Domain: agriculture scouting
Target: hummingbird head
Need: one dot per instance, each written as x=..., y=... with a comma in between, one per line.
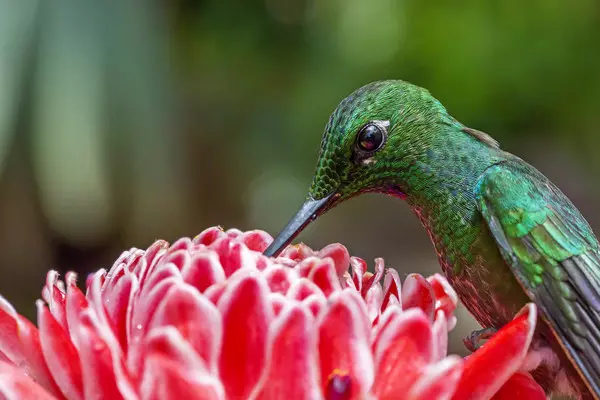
x=372, y=143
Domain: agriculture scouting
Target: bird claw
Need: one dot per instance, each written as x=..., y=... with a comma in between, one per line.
x=472, y=342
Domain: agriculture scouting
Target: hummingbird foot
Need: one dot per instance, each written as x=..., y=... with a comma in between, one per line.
x=473, y=341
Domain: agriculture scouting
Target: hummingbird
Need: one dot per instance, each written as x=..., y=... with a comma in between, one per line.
x=504, y=234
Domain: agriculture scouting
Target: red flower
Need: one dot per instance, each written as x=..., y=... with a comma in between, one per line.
x=212, y=318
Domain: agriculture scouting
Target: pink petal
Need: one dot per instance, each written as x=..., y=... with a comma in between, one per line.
x=315, y=303
x=339, y=255
x=60, y=354
x=324, y=276
x=196, y=319
x=359, y=267
x=16, y=385
x=246, y=318
x=55, y=298
x=403, y=349
x=304, y=267
x=446, y=297
x=278, y=278
x=233, y=255
x=373, y=299
x=172, y=370
x=20, y=343
x=391, y=287
x=440, y=336
x=417, y=292
x=76, y=303
x=491, y=365
x=256, y=240
x=373, y=279
x=302, y=288
x=438, y=381
x=104, y=373
x=117, y=303
x=203, y=271
x=292, y=371
x=209, y=235
x=141, y=315
x=344, y=344
x=297, y=252
x=184, y=244
x=520, y=386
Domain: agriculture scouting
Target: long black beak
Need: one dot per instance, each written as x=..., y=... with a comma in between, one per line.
x=309, y=211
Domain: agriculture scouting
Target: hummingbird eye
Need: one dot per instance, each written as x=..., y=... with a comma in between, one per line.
x=370, y=137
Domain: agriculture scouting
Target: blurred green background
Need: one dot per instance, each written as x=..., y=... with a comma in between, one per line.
x=126, y=121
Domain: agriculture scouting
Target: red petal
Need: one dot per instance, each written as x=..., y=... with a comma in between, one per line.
x=196, y=319
x=403, y=349
x=344, y=343
x=339, y=255
x=438, y=381
x=520, y=386
x=417, y=292
x=203, y=271
x=20, y=343
x=445, y=296
x=233, y=256
x=172, y=370
x=55, y=298
x=491, y=365
x=315, y=303
x=117, y=304
x=440, y=336
x=303, y=288
x=292, y=371
x=278, y=279
x=371, y=280
x=256, y=240
x=324, y=276
x=209, y=235
x=391, y=287
x=142, y=313
x=246, y=318
x=60, y=354
x=359, y=266
x=16, y=385
x=104, y=373
x=184, y=243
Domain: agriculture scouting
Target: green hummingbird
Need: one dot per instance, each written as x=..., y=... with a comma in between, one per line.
x=504, y=234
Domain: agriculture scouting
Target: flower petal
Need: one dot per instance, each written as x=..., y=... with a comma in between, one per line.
x=403, y=349
x=196, y=319
x=16, y=385
x=344, y=343
x=246, y=318
x=233, y=255
x=20, y=343
x=292, y=371
x=417, y=292
x=323, y=274
x=520, y=386
x=173, y=370
x=60, y=354
x=391, y=287
x=446, y=298
x=438, y=381
x=278, y=278
x=440, y=336
x=203, y=270
x=340, y=256
x=491, y=365
x=256, y=240
x=104, y=373
x=55, y=298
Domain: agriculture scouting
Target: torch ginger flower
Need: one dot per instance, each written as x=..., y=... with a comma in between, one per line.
x=212, y=318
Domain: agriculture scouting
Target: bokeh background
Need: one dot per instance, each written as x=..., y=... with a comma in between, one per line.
x=126, y=121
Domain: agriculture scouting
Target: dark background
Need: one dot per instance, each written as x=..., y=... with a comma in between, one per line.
x=126, y=121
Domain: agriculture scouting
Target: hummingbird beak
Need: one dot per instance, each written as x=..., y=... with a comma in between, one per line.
x=309, y=211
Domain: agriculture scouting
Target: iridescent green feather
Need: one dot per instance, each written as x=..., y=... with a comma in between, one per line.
x=552, y=251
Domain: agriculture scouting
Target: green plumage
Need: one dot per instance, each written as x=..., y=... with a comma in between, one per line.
x=503, y=233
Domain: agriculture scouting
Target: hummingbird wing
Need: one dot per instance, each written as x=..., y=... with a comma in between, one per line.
x=552, y=251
